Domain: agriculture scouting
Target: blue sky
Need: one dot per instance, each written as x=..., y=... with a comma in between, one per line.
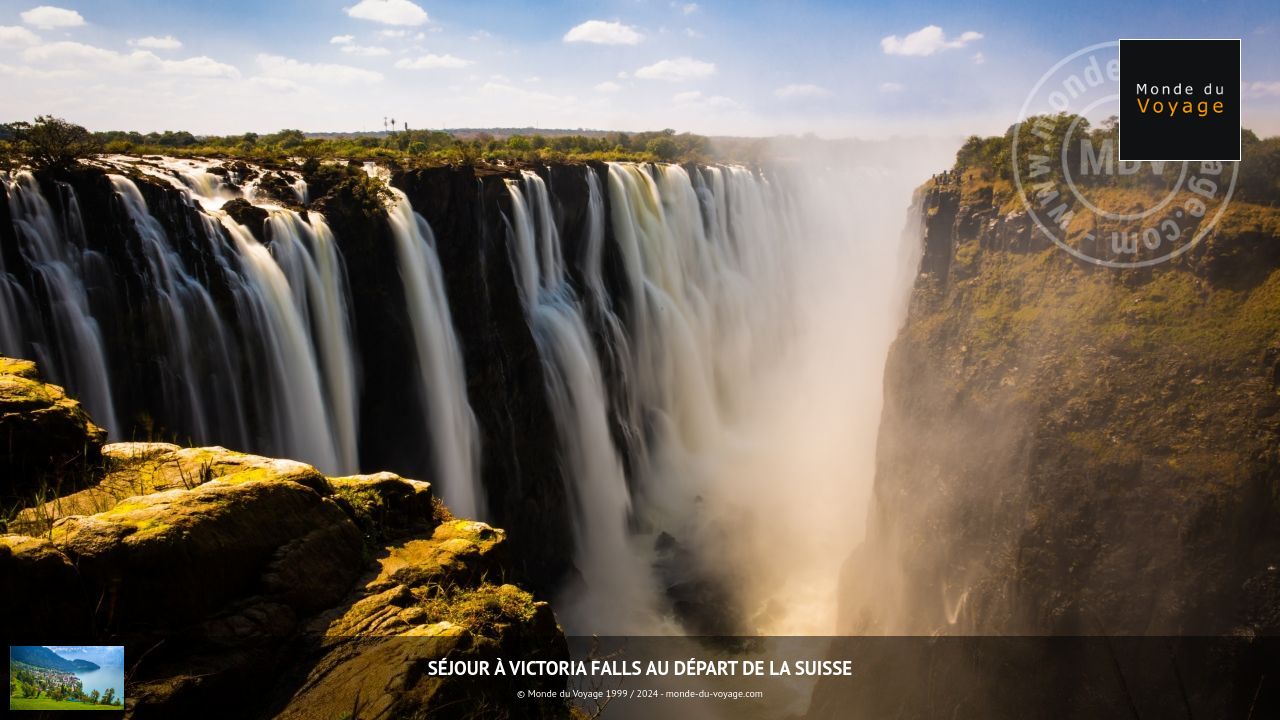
x=104, y=655
x=862, y=69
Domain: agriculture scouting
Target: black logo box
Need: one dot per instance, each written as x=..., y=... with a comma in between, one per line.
x=1185, y=64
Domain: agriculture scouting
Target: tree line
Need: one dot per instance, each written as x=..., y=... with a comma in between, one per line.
x=1257, y=181
x=53, y=142
x=27, y=682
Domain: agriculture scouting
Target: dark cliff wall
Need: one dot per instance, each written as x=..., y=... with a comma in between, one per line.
x=505, y=382
x=506, y=387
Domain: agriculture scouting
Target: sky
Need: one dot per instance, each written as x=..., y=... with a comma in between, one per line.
x=104, y=655
x=837, y=69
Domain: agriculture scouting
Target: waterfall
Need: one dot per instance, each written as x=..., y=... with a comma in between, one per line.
x=55, y=251
x=617, y=592
x=296, y=297
x=662, y=242
x=441, y=381
x=301, y=422
x=198, y=374
x=712, y=347
x=760, y=306
x=309, y=258
x=271, y=367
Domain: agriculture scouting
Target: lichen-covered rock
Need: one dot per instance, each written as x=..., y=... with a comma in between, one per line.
x=138, y=468
x=47, y=441
x=429, y=599
x=386, y=676
x=254, y=587
x=460, y=550
x=385, y=504
x=174, y=557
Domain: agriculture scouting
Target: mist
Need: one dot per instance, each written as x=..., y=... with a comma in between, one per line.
x=762, y=397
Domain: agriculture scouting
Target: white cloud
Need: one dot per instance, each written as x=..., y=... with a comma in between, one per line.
x=603, y=32
x=168, y=42
x=979, y=58
x=690, y=32
x=431, y=61
x=800, y=91
x=278, y=66
x=199, y=66
x=926, y=41
x=890, y=88
x=275, y=83
x=78, y=56
x=365, y=50
x=715, y=102
x=479, y=35
x=608, y=86
x=393, y=33
x=1259, y=89
x=47, y=17
x=14, y=35
x=389, y=12
x=677, y=70
x=520, y=96
x=341, y=39
x=689, y=8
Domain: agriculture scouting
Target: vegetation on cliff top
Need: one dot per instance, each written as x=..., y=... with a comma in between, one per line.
x=53, y=142
x=989, y=160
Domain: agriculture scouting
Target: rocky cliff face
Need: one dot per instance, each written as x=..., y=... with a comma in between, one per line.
x=1068, y=450
x=48, y=444
x=506, y=384
x=251, y=587
x=1075, y=450
x=521, y=472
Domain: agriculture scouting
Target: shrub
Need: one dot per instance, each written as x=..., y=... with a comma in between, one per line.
x=54, y=143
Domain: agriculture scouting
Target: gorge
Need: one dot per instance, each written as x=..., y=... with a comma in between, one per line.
x=665, y=382
x=584, y=354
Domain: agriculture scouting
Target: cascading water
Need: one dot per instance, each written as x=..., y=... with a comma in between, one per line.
x=746, y=341
x=718, y=385
x=195, y=380
x=300, y=421
x=274, y=370
x=55, y=251
x=309, y=258
x=761, y=307
x=297, y=297
x=441, y=380
x=617, y=591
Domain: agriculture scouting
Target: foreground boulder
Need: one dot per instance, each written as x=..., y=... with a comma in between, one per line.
x=252, y=587
x=47, y=442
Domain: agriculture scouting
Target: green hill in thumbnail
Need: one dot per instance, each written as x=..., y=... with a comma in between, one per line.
x=43, y=657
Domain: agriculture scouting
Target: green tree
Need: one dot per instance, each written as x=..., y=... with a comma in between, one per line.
x=664, y=148
x=108, y=696
x=52, y=142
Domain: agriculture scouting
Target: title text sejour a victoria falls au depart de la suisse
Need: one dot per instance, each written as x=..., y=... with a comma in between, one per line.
x=690, y=667
x=1158, y=100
